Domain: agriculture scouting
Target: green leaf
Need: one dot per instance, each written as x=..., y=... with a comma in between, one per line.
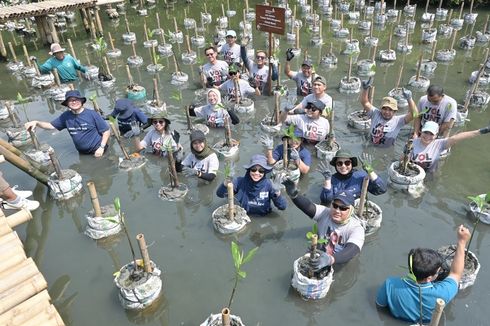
x=250, y=255
x=487, y=197
x=478, y=201
x=322, y=240
x=314, y=229
x=117, y=204
x=92, y=97
x=235, y=253
x=309, y=235
x=242, y=274
x=112, y=220
x=112, y=119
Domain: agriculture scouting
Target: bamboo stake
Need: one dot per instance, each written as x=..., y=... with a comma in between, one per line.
x=98, y=21
x=87, y=57
x=26, y=54
x=419, y=65
x=119, y=141
x=56, y=77
x=474, y=87
x=158, y=21
x=362, y=200
x=12, y=52
x=350, y=69
x=3, y=50
x=471, y=6
x=297, y=38
x=225, y=317
x=461, y=10
x=94, y=198
x=56, y=164
x=426, y=6
x=188, y=43
x=399, y=77
x=144, y=252
x=106, y=65
x=433, y=54
x=455, y=32
x=373, y=56
x=130, y=77
x=156, y=93
x=10, y=148
x=314, y=242
x=176, y=65
x=127, y=24
x=147, y=38
x=231, y=204
x=371, y=94
x=228, y=141
x=188, y=118
x=276, y=108
x=440, y=304
x=173, y=171
x=22, y=292
x=8, y=106
x=236, y=89
x=285, y=160
x=389, y=42
x=96, y=106
x=24, y=165
x=175, y=25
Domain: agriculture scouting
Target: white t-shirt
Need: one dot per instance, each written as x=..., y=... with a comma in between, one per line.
x=338, y=235
x=428, y=156
x=210, y=164
x=232, y=54
x=384, y=132
x=218, y=71
x=304, y=85
x=312, y=129
x=228, y=89
x=215, y=117
x=439, y=113
x=259, y=74
x=158, y=143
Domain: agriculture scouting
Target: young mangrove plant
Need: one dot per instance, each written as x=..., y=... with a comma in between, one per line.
x=481, y=202
x=117, y=206
x=239, y=259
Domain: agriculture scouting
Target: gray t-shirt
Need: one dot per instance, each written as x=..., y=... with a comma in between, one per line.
x=210, y=164
x=218, y=71
x=158, y=143
x=215, y=117
x=304, y=85
x=313, y=129
x=244, y=89
x=230, y=54
x=439, y=113
x=428, y=156
x=384, y=132
x=338, y=235
x=259, y=74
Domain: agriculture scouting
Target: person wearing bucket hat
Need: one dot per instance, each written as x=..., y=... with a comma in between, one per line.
x=214, y=112
x=343, y=233
x=347, y=178
x=413, y=298
x=130, y=119
x=297, y=153
x=230, y=50
x=385, y=125
x=161, y=139
x=64, y=63
x=244, y=88
x=303, y=78
x=427, y=148
x=254, y=191
x=319, y=93
x=202, y=162
x=313, y=125
x=438, y=107
x=215, y=71
x=88, y=129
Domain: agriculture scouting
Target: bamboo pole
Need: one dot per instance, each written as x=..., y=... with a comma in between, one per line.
x=455, y=32
x=9, y=236
x=188, y=43
x=56, y=164
x=12, y=52
x=144, y=252
x=56, y=77
x=157, y=94
x=362, y=200
x=118, y=139
x=98, y=21
x=14, y=256
x=285, y=160
x=440, y=304
x=26, y=310
x=228, y=141
x=4, y=227
x=433, y=53
x=8, y=106
x=461, y=10
x=297, y=37
x=225, y=317
x=231, y=203
x=3, y=50
x=52, y=31
x=47, y=317
x=236, y=89
x=350, y=69
x=133, y=48
x=21, y=292
x=419, y=66
x=277, y=100
x=106, y=65
x=72, y=49
x=17, y=274
x=24, y=165
x=188, y=118
x=399, y=77
x=10, y=245
x=19, y=217
x=94, y=198
x=111, y=41
x=126, y=24
x=9, y=146
x=175, y=25
x=173, y=170
x=26, y=54
x=314, y=242
x=130, y=77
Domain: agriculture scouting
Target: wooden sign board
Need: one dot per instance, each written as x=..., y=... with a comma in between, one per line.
x=270, y=19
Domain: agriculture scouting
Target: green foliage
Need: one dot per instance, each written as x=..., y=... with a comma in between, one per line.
x=176, y=95
x=240, y=259
x=314, y=230
x=480, y=201
x=92, y=97
x=21, y=99
x=150, y=33
x=289, y=132
x=101, y=46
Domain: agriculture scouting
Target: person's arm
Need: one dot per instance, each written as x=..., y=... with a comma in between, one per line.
x=461, y=136
x=46, y=67
x=326, y=196
x=279, y=201
x=376, y=186
x=350, y=251
x=445, y=128
x=270, y=157
x=206, y=176
x=105, y=138
x=365, y=100
x=417, y=123
x=412, y=110
x=303, y=168
x=222, y=190
x=31, y=125
x=141, y=117
x=233, y=117
x=287, y=70
x=381, y=297
x=457, y=267
x=77, y=65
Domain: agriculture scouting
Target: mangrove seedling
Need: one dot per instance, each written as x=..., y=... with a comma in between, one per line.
x=480, y=202
x=93, y=99
x=23, y=101
x=239, y=259
x=117, y=206
x=312, y=236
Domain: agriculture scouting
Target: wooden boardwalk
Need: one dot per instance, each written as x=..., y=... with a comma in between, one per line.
x=43, y=8
x=24, y=299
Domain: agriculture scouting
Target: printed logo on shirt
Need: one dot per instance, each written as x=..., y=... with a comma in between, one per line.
x=228, y=57
x=305, y=88
x=230, y=93
x=378, y=134
x=313, y=133
x=216, y=75
x=215, y=121
x=422, y=159
x=335, y=241
x=264, y=195
x=432, y=114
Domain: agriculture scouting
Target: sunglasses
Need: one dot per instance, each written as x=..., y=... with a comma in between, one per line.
x=209, y=54
x=232, y=73
x=155, y=122
x=342, y=208
x=312, y=108
x=260, y=57
x=340, y=163
x=260, y=170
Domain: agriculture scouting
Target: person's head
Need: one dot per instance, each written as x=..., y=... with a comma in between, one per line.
x=389, y=106
x=319, y=85
x=160, y=122
x=233, y=71
x=342, y=207
x=260, y=58
x=429, y=132
x=230, y=37
x=74, y=100
x=314, y=109
x=57, y=51
x=435, y=93
x=294, y=137
x=344, y=162
x=123, y=109
x=424, y=263
x=198, y=141
x=306, y=68
x=214, y=96
x=258, y=167
x=210, y=53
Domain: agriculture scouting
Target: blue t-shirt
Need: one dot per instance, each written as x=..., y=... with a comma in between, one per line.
x=401, y=296
x=85, y=129
x=304, y=154
x=67, y=68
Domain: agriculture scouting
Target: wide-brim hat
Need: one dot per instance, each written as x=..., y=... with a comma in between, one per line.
x=123, y=108
x=73, y=93
x=55, y=47
x=258, y=159
x=158, y=116
x=344, y=154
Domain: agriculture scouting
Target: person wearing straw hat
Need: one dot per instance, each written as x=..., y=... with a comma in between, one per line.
x=230, y=50
x=12, y=198
x=64, y=63
x=214, y=112
x=319, y=93
x=427, y=148
x=202, y=162
x=303, y=78
x=385, y=125
x=413, y=298
x=130, y=119
x=438, y=107
x=214, y=72
x=88, y=130
x=254, y=191
x=343, y=233
x=347, y=178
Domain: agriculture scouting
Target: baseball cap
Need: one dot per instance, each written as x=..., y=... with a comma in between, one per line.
x=431, y=127
x=389, y=102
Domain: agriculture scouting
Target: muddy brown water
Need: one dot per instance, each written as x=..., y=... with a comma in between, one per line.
x=195, y=260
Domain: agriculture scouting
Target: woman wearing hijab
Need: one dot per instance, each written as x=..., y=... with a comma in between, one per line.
x=202, y=162
x=214, y=112
x=254, y=191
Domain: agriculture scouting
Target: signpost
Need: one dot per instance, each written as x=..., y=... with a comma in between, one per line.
x=271, y=20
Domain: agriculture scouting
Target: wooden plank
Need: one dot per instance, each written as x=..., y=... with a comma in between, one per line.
x=26, y=310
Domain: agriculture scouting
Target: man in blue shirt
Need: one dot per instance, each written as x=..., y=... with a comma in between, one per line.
x=406, y=296
x=87, y=128
x=66, y=65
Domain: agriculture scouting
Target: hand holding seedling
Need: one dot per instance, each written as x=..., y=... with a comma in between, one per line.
x=367, y=162
x=322, y=261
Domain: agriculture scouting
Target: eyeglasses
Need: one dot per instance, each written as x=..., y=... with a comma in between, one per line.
x=71, y=100
x=259, y=57
x=232, y=73
x=209, y=54
x=155, y=122
x=260, y=170
x=340, y=163
x=342, y=208
x=312, y=108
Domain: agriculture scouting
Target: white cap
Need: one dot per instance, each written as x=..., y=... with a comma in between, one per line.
x=231, y=33
x=431, y=127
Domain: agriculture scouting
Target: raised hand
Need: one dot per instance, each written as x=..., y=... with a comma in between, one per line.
x=324, y=169
x=267, y=141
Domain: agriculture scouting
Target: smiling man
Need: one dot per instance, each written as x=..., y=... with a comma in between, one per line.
x=87, y=128
x=215, y=71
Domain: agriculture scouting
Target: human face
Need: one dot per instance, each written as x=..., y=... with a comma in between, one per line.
x=306, y=70
x=211, y=55
x=230, y=40
x=159, y=125
x=339, y=211
x=343, y=165
x=295, y=144
x=427, y=137
x=59, y=55
x=387, y=112
x=212, y=98
x=312, y=112
x=260, y=59
x=257, y=172
x=75, y=104
x=435, y=99
x=319, y=88
x=198, y=145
